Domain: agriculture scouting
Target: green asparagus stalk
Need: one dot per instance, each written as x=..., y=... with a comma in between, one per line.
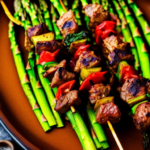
x=142, y=51
x=84, y=2
x=39, y=13
x=95, y=139
x=66, y=4
x=24, y=79
x=71, y=118
x=126, y=34
x=37, y=89
x=54, y=18
x=50, y=96
x=140, y=18
x=84, y=132
x=75, y=8
x=45, y=12
x=57, y=5
x=105, y=4
x=96, y=126
x=29, y=7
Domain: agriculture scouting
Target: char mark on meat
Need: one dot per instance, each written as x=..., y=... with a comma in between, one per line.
x=108, y=111
x=86, y=59
x=37, y=30
x=132, y=88
x=98, y=91
x=141, y=117
x=117, y=55
x=67, y=23
x=70, y=99
x=112, y=42
x=50, y=46
x=61, y=75
x=97, y=15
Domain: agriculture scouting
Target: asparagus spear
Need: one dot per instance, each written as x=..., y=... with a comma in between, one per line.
x=24, y=79
x=45, y=12
x=76, y=11
x=39, y=13
x=54, y=18
x=65, y=3
x=57, y=5
x=50, y=96
x=140, y=18
x=142, y=51
x=37, y=89
x=126, y=33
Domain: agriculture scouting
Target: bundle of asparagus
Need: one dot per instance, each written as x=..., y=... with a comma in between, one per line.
x=34, y=12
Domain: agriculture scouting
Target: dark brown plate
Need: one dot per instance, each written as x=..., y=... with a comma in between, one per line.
x=16, y=112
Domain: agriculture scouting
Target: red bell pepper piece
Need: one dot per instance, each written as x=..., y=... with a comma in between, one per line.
x=80, y=50
x=64, y=88
x=129, y=72
x=46, y=56
x=93, y=78
x=104, y=30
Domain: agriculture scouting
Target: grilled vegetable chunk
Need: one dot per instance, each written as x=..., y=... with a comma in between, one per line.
x=132, y=88
x=98, y=91
x=70, y=38
x=97, y=15
x=86, y=59
x=50, y=46
x=61, y=75
x=70, y=99
x=54, y=68
x=142, y=116
x=44, y=37
x=108, y=111
x=37, y=30
x=67, y=23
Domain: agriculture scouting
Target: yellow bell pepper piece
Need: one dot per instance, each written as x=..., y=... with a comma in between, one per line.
x=43, y=37
x=85, y=72
x=103, y=101
x=75, y=45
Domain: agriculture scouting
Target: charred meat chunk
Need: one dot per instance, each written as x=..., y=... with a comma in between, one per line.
x=98, y=91
x=117, y=55
x=86, y=59
x=37, y=30
x=113, y=42
x=67, y=23
x=54, y=68
x=141, y=117
x=97, y=15
x=70, y=99
x=132, y=88
x=108, y=111
x=50, y=46
x=61, y=75
x=147, y=84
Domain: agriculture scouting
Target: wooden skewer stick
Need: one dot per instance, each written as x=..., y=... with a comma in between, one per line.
x=63, y=6
x=114, y=135
x=72, y=109
x=9, y=15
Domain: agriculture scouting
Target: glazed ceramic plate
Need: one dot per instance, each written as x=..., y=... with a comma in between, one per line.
x=18, y=117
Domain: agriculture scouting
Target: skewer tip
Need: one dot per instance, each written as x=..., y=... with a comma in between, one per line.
x=114, y=135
